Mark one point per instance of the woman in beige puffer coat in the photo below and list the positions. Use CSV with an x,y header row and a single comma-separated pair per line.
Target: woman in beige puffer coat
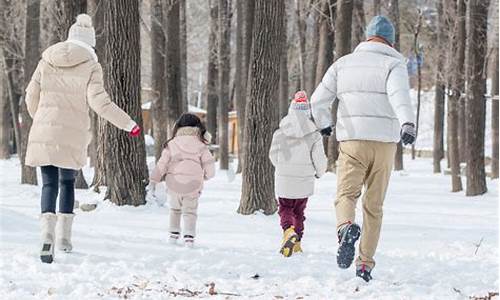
x,y
67,81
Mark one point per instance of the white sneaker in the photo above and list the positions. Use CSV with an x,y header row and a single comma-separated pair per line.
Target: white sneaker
x,y
173,238
189,241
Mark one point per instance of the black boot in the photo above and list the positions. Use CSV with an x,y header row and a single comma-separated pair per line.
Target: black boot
x,y
347,238
364,272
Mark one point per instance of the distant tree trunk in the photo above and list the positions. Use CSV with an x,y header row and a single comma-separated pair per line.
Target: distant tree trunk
x,y
158,84
301,43
377,7
343,25
240,93
173,87
358,23
476,89
31,58
213,72
258,178
394,16
439,101
224,73
284,96
126,170
183,45
494,115
456,60
326,39
96,9
416,51
312,51
5,117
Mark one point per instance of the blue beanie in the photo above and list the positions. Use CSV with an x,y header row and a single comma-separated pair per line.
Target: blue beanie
x,y
382,27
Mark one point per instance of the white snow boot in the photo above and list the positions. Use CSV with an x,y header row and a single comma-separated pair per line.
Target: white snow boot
x,y
64,224
48,224
173,238
189,241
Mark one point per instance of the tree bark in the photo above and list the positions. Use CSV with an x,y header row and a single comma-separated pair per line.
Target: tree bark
x,y
358,23
224,69
173,93
439,101
476,89
377,7
284,95
158,84
240,93
183,45
312,50
343,25
301,43
212,71
258,178
494,115
5,117
31,58
126,170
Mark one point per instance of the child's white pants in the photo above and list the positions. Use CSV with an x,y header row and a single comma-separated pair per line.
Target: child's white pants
x,y
187,207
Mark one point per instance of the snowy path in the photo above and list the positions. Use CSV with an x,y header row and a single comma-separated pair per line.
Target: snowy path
x,y
426,250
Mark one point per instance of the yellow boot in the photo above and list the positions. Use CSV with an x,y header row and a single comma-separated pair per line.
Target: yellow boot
x,y
297,248
290,238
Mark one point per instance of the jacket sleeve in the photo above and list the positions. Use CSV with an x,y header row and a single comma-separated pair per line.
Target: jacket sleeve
x,y
33,91
398,92
273,150
161,167
207,164
100,102
319,158
323,98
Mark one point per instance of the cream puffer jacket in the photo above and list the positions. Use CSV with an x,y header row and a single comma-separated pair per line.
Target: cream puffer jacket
x,y
372,87
297,154
67,81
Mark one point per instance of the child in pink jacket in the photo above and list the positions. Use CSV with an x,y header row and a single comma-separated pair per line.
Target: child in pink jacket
x,y
186,163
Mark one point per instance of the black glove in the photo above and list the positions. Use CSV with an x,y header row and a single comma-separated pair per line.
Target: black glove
x,y
326,131
408,133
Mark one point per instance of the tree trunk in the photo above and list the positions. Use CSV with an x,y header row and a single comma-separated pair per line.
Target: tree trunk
x,y
439,101
312,51
258,178
476,104
31,58
456,60
224,69
213,72
96,9
343,25
326,39
183,45
173,87
377,7
494,115
416,52
5,117
158,84
240,93
301,34
358,23
284,96
126,170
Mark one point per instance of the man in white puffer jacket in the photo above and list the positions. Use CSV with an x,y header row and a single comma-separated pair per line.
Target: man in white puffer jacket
x,y
374,114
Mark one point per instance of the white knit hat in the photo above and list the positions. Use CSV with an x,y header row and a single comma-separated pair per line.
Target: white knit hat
x,y
82,30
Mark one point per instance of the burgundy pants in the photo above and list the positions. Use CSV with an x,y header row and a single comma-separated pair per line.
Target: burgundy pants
x,y
291,212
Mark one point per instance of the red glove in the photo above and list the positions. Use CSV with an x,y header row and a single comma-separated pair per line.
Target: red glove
x,y
135,131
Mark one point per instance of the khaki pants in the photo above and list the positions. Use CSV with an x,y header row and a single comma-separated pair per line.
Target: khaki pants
x,y
368,164
187,207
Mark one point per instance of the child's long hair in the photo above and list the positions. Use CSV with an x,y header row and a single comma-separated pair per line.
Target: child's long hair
x,y
189,120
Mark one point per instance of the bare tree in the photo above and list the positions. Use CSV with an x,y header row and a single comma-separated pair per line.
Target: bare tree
x,y
284,95
183,45
126,170
456,60
5,122
476,89
212,71
377,7
173,87
158,82
494,100
31,58
258,179
300,17
417,52
224,72
358,23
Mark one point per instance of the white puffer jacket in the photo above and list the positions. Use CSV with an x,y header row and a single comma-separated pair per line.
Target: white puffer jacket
x,y
372,87
297,154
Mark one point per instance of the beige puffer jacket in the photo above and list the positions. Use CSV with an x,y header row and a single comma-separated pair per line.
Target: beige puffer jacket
x,y
67,81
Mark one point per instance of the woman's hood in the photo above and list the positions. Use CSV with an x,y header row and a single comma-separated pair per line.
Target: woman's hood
x,y
297,123
66,54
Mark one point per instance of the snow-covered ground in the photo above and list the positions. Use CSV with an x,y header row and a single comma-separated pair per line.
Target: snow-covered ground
x,y
428,248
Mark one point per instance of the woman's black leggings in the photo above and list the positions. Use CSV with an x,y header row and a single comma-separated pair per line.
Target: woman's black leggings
x,y
58,180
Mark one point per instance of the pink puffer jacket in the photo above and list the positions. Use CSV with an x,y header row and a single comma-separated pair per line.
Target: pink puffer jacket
x,y
186,162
